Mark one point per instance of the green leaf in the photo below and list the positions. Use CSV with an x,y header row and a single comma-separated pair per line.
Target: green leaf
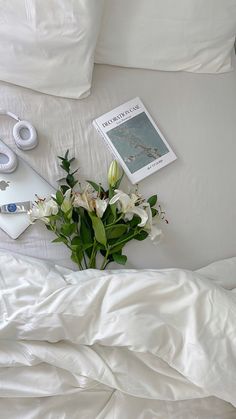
x,y
77,257
71,180
74,172
113,232
113,210
121,259
117,248
154,211
53,218
64,188
108,216
87,246
76,248
141,236
60,240
135,221
65,165
152,200
59,197
95,186
86,232
118,244
75,216
76,241
99,230
68,229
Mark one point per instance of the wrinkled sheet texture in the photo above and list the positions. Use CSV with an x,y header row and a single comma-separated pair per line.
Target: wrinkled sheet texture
x,y
135,344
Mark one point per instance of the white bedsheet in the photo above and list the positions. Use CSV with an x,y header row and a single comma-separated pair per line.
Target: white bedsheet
x,y
197,115
117,344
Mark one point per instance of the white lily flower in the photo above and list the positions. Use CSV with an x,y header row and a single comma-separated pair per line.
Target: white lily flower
x,y
153,231
42,209
84,200
101,206
126,205
125,202
89,201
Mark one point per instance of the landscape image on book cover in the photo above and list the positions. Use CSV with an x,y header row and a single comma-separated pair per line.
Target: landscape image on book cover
x,y
134,139
137,142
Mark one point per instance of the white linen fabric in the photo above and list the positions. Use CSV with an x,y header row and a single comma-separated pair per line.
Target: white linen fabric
x,y
102,345
189,35
195,112
49,45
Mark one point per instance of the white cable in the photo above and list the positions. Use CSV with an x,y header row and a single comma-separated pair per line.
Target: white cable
x,y
12,115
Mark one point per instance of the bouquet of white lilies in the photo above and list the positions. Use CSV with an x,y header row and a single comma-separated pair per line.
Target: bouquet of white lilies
x,y
92,220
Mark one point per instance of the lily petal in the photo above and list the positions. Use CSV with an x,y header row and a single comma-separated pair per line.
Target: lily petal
x,y
155,234
126,202
81,201
101,206
142,214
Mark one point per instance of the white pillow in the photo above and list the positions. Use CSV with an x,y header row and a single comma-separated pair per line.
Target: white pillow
x,y
48,45
190,35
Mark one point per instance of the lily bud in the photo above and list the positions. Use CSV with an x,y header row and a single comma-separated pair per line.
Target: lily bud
x,y
113,173
66,205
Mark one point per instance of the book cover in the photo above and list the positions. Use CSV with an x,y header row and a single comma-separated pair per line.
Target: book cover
x,y
135,140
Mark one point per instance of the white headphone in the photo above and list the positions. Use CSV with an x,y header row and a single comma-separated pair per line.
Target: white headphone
x,y
25,137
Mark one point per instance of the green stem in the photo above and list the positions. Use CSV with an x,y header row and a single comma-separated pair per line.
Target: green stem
x,y
81,268
85,262
114,223
105,260
54,229
125,240
104,263
92,260
109,261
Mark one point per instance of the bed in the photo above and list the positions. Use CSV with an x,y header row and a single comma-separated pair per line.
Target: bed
x,y
70,341
197,115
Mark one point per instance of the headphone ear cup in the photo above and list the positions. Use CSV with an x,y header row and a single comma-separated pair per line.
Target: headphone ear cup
x,y
11,163
25,135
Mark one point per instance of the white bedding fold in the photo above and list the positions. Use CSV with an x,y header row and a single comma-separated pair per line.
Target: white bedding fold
x,y
163,335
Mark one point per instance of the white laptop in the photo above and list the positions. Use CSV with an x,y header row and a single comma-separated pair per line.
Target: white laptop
x,y
21,185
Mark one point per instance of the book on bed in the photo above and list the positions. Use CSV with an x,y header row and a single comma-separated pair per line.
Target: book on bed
x,y
135,140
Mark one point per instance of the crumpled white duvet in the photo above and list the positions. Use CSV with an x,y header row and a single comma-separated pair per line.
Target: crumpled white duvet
x,y
117,344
